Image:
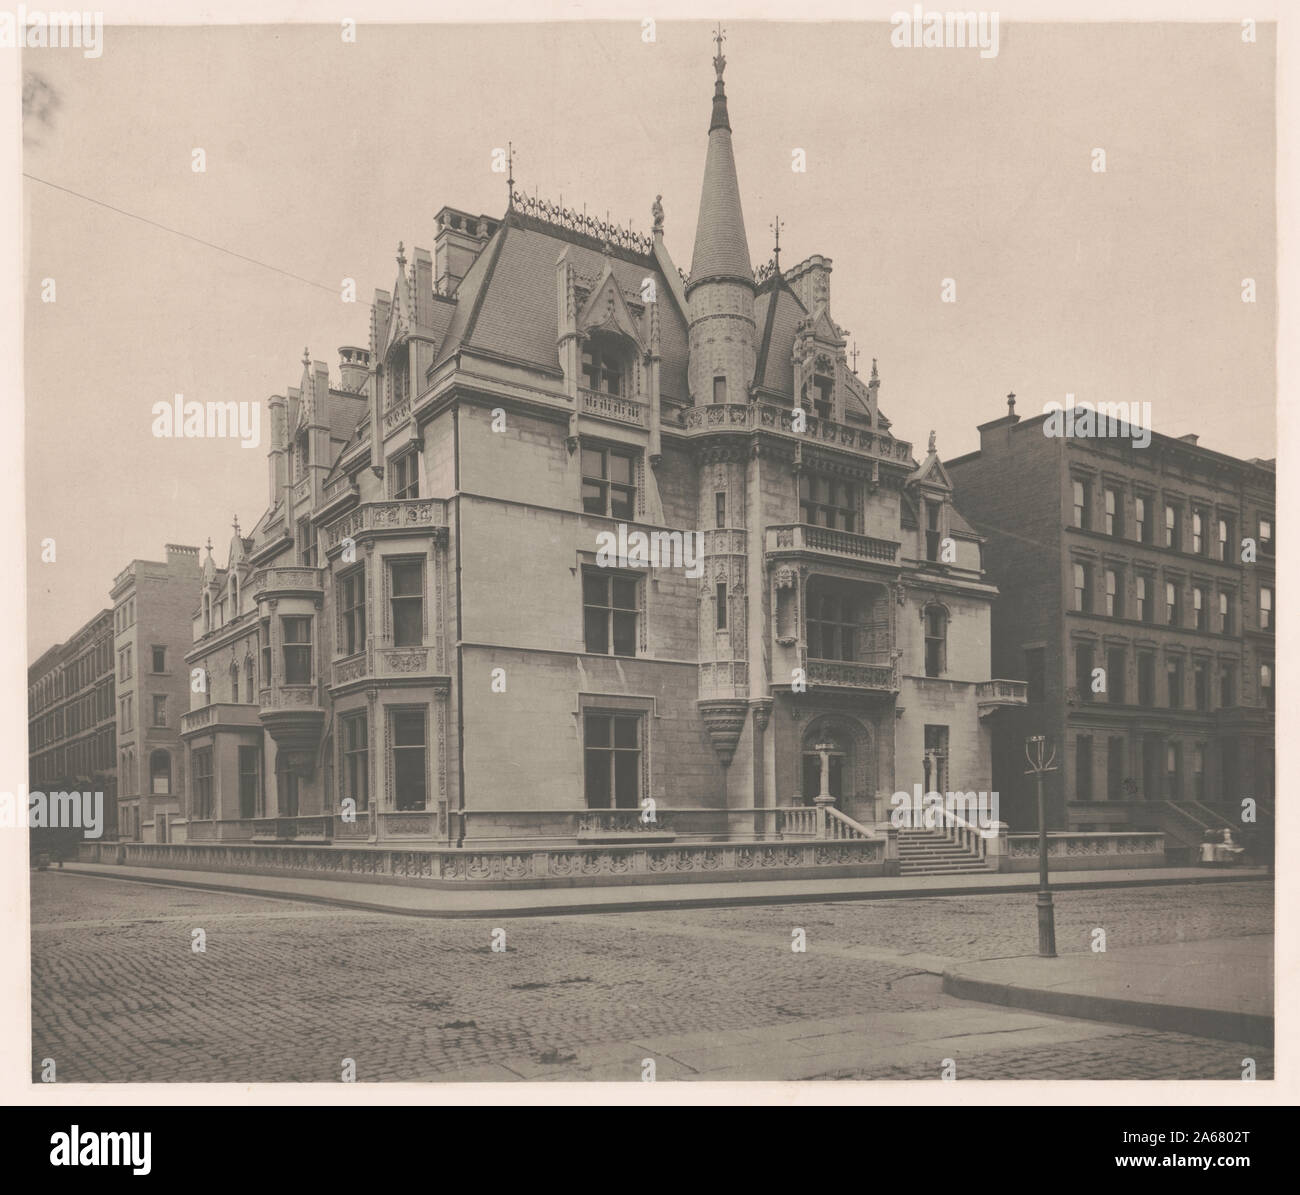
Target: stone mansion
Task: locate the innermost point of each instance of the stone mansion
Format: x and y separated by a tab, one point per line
416	643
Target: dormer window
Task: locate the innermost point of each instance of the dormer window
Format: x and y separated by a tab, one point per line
605	365
399	377
824	388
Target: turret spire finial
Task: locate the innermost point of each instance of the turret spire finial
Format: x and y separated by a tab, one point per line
510	174
719	62
776	227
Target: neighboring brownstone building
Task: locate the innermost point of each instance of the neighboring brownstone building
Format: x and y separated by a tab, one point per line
71	721
152	603
1138	600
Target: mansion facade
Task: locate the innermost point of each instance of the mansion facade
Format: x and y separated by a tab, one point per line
418	643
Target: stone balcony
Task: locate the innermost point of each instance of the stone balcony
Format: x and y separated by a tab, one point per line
803	539
387	518
757	416
221	715
617	408
994	695
853	674
279	581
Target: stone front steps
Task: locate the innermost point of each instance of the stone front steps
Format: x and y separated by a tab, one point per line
931	852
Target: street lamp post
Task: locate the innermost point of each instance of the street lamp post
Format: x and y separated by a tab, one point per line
1035	749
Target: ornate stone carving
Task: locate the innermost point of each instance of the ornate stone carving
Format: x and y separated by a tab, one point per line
724	719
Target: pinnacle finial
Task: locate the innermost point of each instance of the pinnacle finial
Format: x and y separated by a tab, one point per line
1011	403
776	227
854	355
306	356
657	213
719	62
510	174
236	525
208	545
401	254
931	447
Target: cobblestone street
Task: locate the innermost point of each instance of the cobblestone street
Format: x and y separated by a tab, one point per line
286	991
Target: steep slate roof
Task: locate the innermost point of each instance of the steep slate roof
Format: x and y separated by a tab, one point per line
721	250
508	301
777	312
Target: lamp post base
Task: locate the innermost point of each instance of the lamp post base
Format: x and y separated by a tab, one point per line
1046	926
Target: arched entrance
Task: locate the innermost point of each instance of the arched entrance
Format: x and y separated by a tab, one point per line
838	755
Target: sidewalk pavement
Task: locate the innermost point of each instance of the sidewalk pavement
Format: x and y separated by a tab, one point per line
418	901
1217	987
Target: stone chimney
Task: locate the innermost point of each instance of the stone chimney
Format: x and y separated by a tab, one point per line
811	281
354	368
460	239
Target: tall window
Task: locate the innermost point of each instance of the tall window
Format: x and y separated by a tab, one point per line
234	682
296	633
159	710
720	509
1266	685
1198	532
356	759
1200	615
1173	773
1265	608
1227	686
306	543
249	695
1114	515
720	605
266	652
603	366
1114	768
612	760
933	530
160	773
159	659
406	599
1266	533
251	799
1083	670
1081	495
1201	684
720	389
1115	675
1225	535
828	502
936	640
1171	526
410	783
1083	768
834	620
609	612
1174	674
1144	598
1082	588
1225	613
1146	679
406	475
352	610
1171	603
202	777
823	388
1141	521
607	486
1114	595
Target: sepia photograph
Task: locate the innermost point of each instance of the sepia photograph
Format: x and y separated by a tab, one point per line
608	548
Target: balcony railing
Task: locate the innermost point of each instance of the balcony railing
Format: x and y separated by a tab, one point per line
297	578
852	674
613	406
220	715
715	416
386	516
992	695
804	537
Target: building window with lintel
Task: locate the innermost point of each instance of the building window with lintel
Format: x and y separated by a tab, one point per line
612	760
607	482
408	758
609	612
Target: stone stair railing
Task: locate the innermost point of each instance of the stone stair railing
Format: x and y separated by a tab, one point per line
840	826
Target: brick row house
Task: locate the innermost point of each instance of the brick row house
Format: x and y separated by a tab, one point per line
419	641
1138	602
71	717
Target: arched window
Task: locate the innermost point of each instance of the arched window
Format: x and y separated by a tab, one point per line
234	595
234	682
248	680
936	640
160	773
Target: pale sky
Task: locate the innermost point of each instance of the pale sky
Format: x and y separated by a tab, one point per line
921	165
